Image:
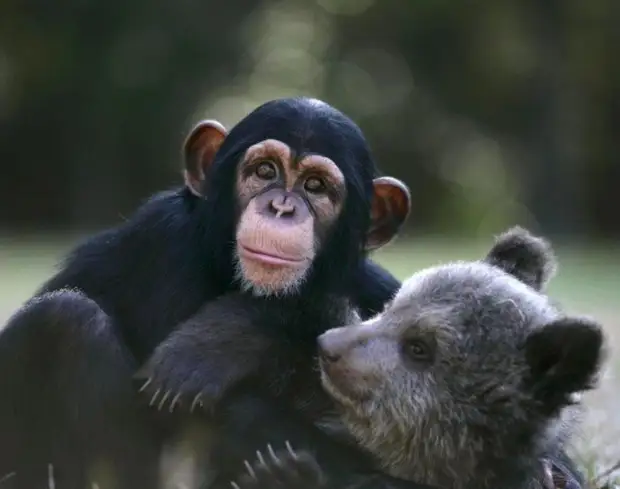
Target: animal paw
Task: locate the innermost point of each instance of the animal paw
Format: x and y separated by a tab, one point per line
169	390
285	469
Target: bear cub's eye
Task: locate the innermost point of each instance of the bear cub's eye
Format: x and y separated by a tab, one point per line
417	350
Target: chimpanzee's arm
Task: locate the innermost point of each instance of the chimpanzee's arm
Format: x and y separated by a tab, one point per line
291	469
287	468
220	345
252	426
215	358
66	400
205	356
249	420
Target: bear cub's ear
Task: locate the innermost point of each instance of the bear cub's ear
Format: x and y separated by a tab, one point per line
564	357
525	256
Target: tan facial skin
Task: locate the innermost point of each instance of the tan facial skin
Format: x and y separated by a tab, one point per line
288	205
277	237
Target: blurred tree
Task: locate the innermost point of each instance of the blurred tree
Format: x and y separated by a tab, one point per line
96	97
512	68
494	112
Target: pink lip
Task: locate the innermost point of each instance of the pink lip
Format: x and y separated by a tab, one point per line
267	257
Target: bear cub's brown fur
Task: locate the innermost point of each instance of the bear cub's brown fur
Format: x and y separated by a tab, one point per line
468	379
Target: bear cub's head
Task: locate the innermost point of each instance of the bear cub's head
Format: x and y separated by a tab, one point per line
471	374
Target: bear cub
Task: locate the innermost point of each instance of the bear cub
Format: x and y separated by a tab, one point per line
469	378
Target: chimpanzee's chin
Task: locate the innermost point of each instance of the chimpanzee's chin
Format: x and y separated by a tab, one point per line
261	281
268	290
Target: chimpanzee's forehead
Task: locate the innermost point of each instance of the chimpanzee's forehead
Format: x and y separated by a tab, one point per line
307	126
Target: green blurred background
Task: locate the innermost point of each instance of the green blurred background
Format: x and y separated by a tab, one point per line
495	112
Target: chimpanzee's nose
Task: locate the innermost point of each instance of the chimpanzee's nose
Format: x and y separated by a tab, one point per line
282	206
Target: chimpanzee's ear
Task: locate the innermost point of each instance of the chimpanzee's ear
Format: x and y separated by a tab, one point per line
564	358
199	151
525	256
391	203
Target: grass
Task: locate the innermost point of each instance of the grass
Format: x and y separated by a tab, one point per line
588	282
588	277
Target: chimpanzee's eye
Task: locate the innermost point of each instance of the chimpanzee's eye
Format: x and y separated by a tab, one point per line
314	185
266	170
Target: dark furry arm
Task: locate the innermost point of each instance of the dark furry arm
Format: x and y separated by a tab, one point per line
205	356
253	426
372	288
248	421
290	469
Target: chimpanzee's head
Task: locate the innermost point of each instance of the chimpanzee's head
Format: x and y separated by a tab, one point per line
291	194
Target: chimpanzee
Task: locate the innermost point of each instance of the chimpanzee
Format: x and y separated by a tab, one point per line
68	404
308	209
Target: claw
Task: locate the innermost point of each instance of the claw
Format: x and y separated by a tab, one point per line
260	458
51	480
273	455
145	385
154	397
163	399
196	401
250	470
290	450
6	477
174	401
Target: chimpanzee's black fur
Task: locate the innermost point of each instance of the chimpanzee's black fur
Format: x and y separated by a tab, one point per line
67	356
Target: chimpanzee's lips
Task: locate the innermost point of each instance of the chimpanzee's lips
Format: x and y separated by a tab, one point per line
267	258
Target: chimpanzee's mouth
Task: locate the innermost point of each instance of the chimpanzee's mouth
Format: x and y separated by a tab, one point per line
268	258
